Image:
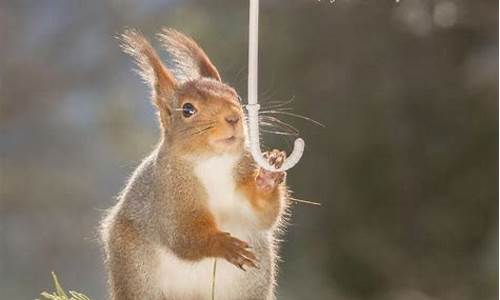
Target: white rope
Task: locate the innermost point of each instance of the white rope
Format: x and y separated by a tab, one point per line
253	106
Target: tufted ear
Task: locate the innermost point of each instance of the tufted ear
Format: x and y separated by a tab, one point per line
188	60
152	71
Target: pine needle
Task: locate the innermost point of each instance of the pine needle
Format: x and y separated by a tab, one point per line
304	201
59	294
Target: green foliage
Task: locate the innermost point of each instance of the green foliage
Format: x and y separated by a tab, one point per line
59	294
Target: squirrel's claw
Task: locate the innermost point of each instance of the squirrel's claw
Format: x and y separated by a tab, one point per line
236	251
268	180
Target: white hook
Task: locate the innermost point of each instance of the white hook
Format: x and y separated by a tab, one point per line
253	106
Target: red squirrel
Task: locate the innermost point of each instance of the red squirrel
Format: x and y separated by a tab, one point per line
199	195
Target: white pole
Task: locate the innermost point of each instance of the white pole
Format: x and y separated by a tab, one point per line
253	106
253	52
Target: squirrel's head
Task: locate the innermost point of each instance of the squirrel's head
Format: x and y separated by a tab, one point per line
198	113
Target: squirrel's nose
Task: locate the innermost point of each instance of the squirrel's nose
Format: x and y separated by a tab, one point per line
232	119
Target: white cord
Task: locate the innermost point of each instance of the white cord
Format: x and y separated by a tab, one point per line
253	106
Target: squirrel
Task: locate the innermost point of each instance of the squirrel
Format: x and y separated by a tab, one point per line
199	195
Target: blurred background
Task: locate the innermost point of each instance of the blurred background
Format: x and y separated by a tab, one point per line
406	168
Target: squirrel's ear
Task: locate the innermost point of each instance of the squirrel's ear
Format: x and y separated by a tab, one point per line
152	71
188	60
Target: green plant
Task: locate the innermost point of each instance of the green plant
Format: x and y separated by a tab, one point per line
59	293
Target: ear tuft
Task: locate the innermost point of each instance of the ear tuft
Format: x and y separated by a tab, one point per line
189	61
150	66
152	71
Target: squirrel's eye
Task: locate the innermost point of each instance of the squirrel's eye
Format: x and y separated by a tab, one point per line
188	110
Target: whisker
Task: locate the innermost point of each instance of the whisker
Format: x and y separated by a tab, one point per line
278	132
287	113
196	125
238	78
280	123
278	104
277	108
280	129
277	122
201	130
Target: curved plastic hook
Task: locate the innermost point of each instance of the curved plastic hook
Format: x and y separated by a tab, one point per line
254	137
253	106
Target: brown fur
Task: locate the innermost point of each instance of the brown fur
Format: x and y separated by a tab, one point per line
164	205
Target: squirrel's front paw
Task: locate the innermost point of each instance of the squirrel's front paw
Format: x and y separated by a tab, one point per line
235	251
267	180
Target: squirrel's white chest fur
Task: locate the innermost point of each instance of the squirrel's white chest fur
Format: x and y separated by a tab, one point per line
229	207
182	279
